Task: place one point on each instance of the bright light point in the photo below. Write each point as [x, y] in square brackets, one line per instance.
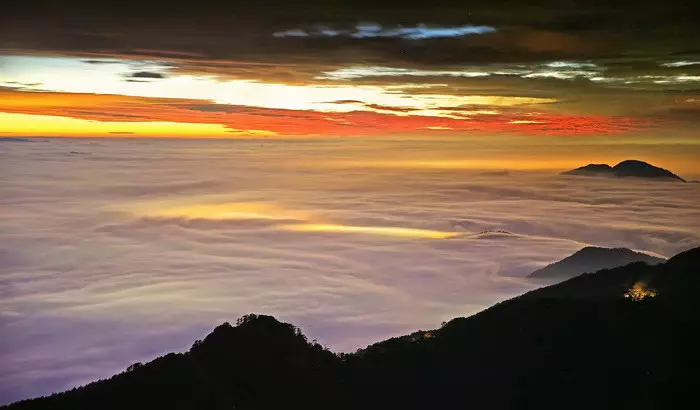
[640, 291]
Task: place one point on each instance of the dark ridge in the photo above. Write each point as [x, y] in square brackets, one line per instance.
[686, 258]
[592, 259]
[628, 168]
[580, 344]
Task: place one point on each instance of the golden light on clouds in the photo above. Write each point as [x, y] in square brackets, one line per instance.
[221, 211]
[373, 230]
[306, 221]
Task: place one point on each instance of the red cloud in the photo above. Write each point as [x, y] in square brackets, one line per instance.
[117, 108]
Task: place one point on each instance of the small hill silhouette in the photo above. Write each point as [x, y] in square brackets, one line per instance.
[580, 344]
[592, 259]
[628, 168]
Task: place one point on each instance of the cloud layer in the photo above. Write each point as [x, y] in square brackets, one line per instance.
[141, 247]
[407, 115]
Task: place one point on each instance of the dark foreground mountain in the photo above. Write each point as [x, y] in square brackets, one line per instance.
[624, 338]
[628, 168]
[592, 259]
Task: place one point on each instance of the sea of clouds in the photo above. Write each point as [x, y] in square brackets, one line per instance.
[117, 251]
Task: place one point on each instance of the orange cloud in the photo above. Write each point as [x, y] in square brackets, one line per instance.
[249, 121]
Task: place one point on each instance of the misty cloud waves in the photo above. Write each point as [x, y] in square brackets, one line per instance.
[116, 251]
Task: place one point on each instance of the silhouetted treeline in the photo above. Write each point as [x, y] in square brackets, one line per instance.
[580, 344]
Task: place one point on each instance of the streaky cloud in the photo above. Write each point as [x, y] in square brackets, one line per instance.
[376, 30]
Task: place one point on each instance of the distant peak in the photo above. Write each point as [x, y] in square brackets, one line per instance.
[591, 259]
[627, 168]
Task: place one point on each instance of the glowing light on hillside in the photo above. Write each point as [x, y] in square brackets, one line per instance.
[640, 292]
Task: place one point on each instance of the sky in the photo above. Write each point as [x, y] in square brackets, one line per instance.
[361, 169]
[347, 69]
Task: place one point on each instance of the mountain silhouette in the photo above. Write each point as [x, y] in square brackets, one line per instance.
[592, 259]
[628, 168]
[593, 341]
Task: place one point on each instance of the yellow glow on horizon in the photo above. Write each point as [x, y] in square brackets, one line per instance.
[30, 125]
[374, 230]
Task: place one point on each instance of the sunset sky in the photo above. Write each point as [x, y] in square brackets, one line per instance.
[341, 69]
[359, 168]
